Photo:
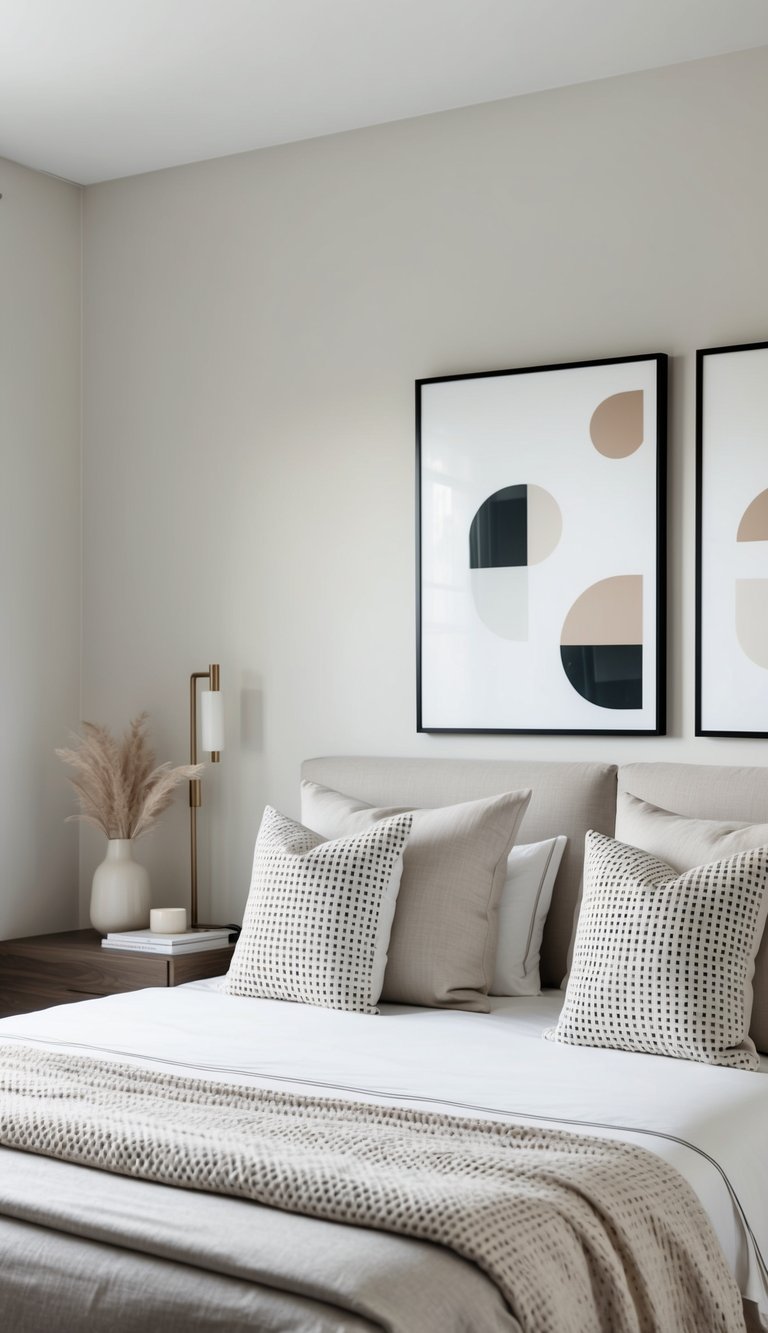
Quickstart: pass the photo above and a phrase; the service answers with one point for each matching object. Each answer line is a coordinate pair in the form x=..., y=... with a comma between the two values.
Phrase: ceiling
x=94, y=89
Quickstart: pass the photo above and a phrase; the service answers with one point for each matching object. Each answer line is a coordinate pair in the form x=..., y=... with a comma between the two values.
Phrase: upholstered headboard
x=703, y=791
x=567, y=798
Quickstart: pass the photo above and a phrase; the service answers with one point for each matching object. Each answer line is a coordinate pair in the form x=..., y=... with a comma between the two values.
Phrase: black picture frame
x=622, y=375
x=728, y=690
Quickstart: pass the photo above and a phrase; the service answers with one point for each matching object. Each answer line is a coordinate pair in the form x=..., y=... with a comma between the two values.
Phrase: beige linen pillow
x=319, y=914
x=683, y=842
x=443, y=944
x=663, y=963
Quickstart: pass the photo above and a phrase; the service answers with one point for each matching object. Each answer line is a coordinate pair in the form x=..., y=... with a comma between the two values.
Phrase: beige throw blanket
x=579, y=1234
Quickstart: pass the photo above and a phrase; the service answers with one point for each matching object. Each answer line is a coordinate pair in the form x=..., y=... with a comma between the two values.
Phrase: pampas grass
x=119, y=788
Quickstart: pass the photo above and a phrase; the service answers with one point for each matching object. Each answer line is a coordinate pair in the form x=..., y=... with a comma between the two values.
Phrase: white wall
x=253, y=329
x=40, y=527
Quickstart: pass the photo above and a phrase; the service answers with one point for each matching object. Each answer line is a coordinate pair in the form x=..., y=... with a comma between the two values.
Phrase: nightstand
x=41, y=970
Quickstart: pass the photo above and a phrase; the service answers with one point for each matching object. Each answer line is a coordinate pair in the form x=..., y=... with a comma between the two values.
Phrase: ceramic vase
x=120, y=892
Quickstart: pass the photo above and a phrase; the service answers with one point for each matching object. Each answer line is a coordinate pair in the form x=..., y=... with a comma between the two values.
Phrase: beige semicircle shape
x=616, y=428
x=752, y=619
x=545, y=524
x=754, y=521
x=610, y=611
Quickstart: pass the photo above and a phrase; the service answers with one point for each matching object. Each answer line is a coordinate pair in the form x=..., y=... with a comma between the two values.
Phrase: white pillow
x=531, y=871
x=319, y=914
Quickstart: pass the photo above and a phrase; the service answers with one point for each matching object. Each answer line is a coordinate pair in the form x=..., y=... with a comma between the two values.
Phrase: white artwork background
x=734, y=689
x=478, y=436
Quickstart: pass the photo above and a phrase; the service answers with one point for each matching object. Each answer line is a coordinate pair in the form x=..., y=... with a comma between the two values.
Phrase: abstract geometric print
x=540, y=548
x=602, y=638
x=732, y=541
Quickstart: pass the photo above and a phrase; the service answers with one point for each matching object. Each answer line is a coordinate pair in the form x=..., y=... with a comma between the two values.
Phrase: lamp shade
x=212, y=720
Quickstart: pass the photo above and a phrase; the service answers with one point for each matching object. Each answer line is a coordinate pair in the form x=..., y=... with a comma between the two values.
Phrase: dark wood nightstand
x=42, y=970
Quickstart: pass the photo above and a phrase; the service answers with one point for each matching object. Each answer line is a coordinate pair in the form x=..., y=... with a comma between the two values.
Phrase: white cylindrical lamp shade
x=212, y=720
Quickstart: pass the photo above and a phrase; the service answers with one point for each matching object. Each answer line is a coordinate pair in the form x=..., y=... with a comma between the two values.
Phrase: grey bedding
x=84, y=1250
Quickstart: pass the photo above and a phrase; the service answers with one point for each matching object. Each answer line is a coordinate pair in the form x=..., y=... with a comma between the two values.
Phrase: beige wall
x=40, y=525
x=254, y=326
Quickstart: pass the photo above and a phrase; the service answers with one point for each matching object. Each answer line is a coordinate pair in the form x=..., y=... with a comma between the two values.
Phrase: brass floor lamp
x=212, y=740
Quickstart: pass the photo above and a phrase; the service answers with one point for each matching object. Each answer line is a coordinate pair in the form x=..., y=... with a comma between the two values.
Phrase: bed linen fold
x=579, y=1234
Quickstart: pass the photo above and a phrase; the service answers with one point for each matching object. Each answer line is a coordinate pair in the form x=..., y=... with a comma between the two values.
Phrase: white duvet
x=710, y=1123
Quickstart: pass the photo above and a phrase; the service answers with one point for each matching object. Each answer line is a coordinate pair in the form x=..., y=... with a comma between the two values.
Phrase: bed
x=83, y=1248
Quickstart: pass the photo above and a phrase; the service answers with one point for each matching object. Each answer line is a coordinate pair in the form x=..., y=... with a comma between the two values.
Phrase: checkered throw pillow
x=662, y=962
x=319, y=914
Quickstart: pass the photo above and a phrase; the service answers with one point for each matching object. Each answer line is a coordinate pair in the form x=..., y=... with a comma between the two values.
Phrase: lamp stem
x=195, y=792
x=193, y=865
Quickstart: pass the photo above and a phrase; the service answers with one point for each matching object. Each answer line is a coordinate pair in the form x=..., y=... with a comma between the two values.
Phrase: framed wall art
x=541, y=551
x=732, y=541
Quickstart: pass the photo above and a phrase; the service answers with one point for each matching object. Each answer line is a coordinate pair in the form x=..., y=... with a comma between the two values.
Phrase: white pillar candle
x=168, y=920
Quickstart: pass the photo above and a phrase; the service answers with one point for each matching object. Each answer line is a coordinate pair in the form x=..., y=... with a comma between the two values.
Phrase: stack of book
x=149, y=941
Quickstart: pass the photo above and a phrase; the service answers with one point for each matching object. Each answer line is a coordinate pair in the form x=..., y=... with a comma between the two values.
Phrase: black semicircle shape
x=498, y=534
x=607, y=674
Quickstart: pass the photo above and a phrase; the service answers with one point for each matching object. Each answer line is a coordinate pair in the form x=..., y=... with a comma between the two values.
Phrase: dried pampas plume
x=120, y=789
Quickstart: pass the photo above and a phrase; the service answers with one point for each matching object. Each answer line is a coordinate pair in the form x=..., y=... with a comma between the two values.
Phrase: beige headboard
x=567, y=798
x=703, y=791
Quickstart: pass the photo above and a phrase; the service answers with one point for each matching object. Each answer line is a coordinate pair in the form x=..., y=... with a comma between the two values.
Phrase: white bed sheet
x=710, y=1123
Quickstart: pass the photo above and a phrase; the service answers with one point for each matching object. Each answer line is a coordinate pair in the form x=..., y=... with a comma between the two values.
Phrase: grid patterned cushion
x=684, y=842
x=319, y=914
x=663, y=963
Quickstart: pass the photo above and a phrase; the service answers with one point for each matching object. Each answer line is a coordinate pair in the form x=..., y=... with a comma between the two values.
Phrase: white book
x=145, y=937
x=168, y=950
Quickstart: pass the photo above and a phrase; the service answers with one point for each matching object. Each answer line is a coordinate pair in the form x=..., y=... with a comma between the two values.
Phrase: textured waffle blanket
x=579, y=1234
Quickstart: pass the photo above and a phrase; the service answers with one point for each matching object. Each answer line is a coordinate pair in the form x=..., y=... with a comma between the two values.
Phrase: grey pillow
x=685, y=842
x=319, y=914
x=663, y=963
x=443, y=944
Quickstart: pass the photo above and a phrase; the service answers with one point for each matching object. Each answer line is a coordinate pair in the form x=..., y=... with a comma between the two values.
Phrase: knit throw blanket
x=580, y=1234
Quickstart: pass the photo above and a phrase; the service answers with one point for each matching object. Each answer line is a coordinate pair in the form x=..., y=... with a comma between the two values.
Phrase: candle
x=168, y=920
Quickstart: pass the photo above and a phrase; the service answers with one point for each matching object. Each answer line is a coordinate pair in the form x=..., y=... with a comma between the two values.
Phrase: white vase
x=120, y=892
